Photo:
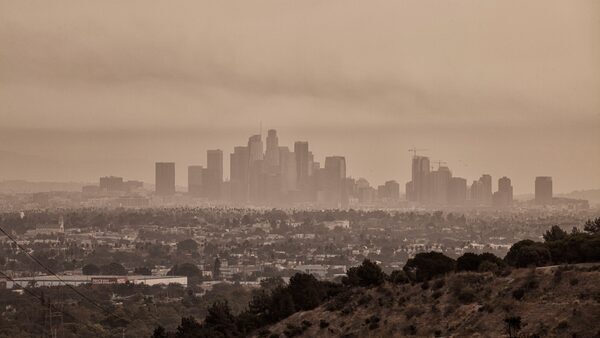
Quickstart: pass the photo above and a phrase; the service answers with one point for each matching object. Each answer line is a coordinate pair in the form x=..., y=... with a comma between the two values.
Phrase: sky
x=503, y=87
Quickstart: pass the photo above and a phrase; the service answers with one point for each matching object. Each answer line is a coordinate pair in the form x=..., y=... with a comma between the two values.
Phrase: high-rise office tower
x=439, y=182
x=475, y=192
x=419, y=186
x=334, y=178
x=302, y=165
x=457, y=192
x=165, y=178
x=195, y=173
x=214, y=169
x=287, y=167
x=389, y=191
x=239, y=172
x=255, y=148
x=504, y=196
x=543, y=189
x=256, y=169
x=486, y=189
x=272, y=152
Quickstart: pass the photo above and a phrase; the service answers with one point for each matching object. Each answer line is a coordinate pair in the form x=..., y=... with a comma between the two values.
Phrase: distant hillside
x=539, y=302
x=20, y=186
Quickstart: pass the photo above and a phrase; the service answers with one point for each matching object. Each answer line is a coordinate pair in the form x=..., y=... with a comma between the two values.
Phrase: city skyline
x=428, y=185
x=523, y=186
x=88, y=91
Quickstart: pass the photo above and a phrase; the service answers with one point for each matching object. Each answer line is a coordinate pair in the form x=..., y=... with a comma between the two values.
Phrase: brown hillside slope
x=559, y=301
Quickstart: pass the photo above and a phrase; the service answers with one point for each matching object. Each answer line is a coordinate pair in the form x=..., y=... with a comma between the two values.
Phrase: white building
x=76, y=280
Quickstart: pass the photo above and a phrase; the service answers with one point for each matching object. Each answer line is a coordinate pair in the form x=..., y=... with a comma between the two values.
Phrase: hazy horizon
x=95, y=89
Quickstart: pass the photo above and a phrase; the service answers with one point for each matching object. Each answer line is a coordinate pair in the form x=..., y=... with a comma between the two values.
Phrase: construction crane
x=414, y=150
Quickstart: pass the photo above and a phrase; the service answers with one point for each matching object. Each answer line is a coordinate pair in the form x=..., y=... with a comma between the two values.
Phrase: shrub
x=410, y=330
x=466, y=295
x=563, y=325
x=513, y=325
x=439, y=283
x=398, y=277
x=518, y=294
x=413, y=311
x=293, y=330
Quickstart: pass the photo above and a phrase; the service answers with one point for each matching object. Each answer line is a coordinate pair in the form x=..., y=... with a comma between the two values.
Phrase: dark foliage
x=186, y=269
x=592, y=226
x=113, y=269
x=90, y=269
x=367, y=274
x=528, y=253
x=398, y=277
x=559, y=248
x=425, y=266
x=473, y=262
x=555, y=234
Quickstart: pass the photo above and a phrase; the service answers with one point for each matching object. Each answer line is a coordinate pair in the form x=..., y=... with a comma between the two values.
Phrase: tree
x=366, y=274
x=468, y=262
x=475, y=262
x=282, y=304
x=220, y=319
x=306, y=291
x=186, y=269
x=426, y=265
x=555, y=234
x=189, y=328
x=188, y=245
x=90, y=269
x=113, y=269
x=217, y=268
x=528, y=253
x=592, y=226
x=159, y=332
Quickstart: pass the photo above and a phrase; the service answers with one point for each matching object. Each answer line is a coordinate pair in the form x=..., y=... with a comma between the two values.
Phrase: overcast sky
x=90, y=88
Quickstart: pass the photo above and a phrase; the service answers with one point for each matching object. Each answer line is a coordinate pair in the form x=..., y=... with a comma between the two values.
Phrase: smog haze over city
x=90, y=89
x=193, y=169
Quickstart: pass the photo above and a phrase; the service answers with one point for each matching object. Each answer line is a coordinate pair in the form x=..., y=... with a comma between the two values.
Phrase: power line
x=60, y=279
x=41, y=299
